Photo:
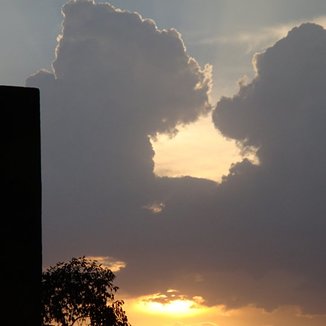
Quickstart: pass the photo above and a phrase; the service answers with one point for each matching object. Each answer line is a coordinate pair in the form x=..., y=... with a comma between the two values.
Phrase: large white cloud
x=255, y=239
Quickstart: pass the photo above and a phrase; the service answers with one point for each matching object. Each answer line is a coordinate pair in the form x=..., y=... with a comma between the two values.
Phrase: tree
x=80, y=290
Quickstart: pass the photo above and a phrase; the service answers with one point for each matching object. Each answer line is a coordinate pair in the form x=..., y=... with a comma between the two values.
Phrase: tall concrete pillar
x=21, y=250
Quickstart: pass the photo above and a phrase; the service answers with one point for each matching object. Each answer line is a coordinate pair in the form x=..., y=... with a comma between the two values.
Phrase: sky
x=183, y=145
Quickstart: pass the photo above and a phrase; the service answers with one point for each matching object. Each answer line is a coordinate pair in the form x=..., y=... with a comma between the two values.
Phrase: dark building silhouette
x=21, y=251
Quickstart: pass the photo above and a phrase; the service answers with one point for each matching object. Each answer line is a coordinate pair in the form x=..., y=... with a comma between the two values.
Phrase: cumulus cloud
x=258, y=238
x=282, y=113
x=117, y=80
x=144, y=70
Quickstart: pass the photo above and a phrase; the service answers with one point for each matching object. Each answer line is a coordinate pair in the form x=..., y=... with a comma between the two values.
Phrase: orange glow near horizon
x=178, y=307
x=170, y=304
x=171, y=309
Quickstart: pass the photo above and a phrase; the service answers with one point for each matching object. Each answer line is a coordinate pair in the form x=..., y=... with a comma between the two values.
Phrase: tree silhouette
x=80, y=291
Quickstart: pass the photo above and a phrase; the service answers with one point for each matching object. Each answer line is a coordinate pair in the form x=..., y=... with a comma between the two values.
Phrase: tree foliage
x=80, y=290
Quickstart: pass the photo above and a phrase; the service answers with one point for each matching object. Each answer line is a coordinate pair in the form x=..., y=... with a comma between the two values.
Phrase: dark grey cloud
x=258, y=238
x=116, y=80
x=282, y=201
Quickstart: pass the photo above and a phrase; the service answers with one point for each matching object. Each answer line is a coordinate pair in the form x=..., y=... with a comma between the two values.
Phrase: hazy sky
x=188, y=251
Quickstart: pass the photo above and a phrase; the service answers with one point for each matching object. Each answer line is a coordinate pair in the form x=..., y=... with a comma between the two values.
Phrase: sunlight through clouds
x=109, y=262
x=198, y=150
x=153, y=310
x=112, y=156
x=171, y=303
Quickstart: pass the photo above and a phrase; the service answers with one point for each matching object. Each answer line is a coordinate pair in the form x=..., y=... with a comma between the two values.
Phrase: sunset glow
x=171, y=304
x=190, y=152
x=178, y=307
x=183, y=147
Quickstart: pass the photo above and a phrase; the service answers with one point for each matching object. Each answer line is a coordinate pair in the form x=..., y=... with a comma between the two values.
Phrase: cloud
x=118, y=48
x=116, y=80
x=171, y=303
x=285, y=97
x=253, y=40
x=258, y=40
x=109, y=262
x=155, y=207
x=280, y=202
x=258, y=238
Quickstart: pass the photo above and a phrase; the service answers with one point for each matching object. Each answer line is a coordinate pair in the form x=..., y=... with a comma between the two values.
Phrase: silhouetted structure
x=21, y=251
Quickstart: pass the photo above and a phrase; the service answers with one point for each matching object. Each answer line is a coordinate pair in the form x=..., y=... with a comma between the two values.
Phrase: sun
x=172, y=304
